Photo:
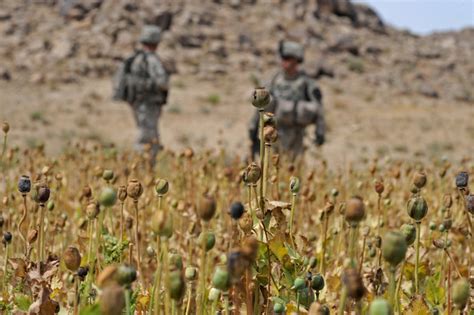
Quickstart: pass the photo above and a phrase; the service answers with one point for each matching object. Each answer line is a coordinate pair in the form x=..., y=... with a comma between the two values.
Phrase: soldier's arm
x=315, y=95
x=158, y=74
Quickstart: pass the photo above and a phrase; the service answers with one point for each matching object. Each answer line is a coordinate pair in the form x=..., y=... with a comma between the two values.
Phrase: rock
x=345, y=43
x=428, y=90
x=218, y=48
x=63, y=48
x=318, y=69
x=78, y=9
x=4, y=15
x=163, y=19
x=367, y=17
x=191, y=41
x=5, y=74
x=37, y=78
x=342, y=8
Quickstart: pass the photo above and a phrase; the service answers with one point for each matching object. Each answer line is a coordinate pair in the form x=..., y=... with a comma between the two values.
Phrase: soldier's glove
x=319, y=140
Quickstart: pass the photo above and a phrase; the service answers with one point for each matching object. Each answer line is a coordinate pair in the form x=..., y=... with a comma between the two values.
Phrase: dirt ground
x=203, y=113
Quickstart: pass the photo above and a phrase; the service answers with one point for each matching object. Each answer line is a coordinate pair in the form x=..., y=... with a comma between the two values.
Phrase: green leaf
x=435, y=294
x=91, y=310
x=277, y=246
x=22, y=301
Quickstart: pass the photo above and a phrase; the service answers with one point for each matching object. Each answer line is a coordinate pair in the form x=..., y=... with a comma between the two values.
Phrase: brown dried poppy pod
x=355, y=210
x=92, y=210
x=5, y=127
x=41, y=193
x=250, y=248
x=354, y=284
x=260, y=98
x=207, y=208
x=419, y=180
x=32, y=236
x=252, y=173
x=122, y=193
x=470, y=203
x=72, y=258
x=129, y=223
x=379, y=187
x=246, y=223
x=134, y=189
x=270, y=134
x=87, y=192
x=107, y=276
x=112, y=300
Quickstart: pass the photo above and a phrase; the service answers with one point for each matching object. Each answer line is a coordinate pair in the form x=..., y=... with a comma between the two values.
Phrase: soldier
x=296, y=103
x=142, y=81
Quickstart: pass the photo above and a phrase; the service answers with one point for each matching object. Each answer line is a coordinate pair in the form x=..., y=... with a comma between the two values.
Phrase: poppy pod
x=112, y=300
x=161, y=186
x=122, y=193
x=409, y=231
x=394, y=247
x=270, y=134
x=236, y=210
x=379, y=187
x=354, y=284
x=417, y=208
x=461, y=292
x=72, y=258
x=317, y=282
x=419, y=180
x=108, y=175
x=134, y=189
x=295, y=185
x=207, y=208
x=5, y=127
x=126, y=274
x=355, y=210
x=250, y=248
x=462, y=180
x=176, y=285
x=190, y=273
x=7, y=238
x=260, y=97
x=24, y=184
x=470, y=203
x=41, y=193
x=108, y=197
x=32, y=236
x=86, y=192
x=221, y=279
x=92, y=210
x=252, y=173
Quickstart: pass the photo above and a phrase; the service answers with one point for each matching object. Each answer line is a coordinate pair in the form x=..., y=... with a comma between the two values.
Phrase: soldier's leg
x=147, y=122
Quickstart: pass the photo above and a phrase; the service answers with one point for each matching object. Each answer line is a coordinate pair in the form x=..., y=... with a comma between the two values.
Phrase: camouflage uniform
x=296, y=103
x=146, y=84
x=150, y=97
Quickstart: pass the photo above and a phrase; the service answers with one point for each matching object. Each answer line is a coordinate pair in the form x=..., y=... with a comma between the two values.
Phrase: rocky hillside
x=68, y=41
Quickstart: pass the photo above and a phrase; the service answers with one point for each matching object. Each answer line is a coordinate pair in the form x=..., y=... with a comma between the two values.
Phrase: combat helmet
x=290, y=49
x=151, y=34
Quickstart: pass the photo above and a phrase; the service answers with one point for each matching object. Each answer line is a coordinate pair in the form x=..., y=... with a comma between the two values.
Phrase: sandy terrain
x=201, y=113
